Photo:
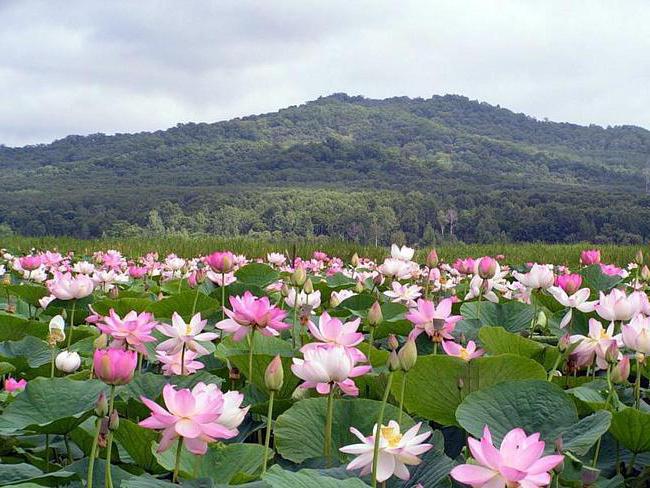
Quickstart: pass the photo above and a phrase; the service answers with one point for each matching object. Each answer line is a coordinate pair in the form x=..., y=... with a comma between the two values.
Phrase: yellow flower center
x=392, y=436
x=464, y=354
x=604, y=334
x=188, y=329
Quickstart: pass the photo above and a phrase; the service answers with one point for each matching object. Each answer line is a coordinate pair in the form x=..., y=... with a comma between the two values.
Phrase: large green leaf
x=222, y=462
x=257, y=274
x=136, y=441
x=27, y=353
x=299, y=432
x=437, y=384
x=434, y=469
x=14, y=328
x=631, y=428
x=29, y=293
x=122, y=306
x=596, y=280
x=512, y=316
x=497, y=340
x=581, y=436
x=277, y=477
x=12, y=474
x=184, y=304
x=51, y=405
x=533, y=405
x=150, y=385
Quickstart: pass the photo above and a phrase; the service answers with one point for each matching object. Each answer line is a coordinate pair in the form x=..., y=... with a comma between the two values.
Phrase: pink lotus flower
x=518, y=462
x=221, y=262
x=13, y=386
x=570, y=283
x=487, y=267
x=577, y=300
x=332, y=331
x=172, y=363
x=114, y=366
x=328, y=365
x=251, y=313
x=437, y=322
x=618, y=306
x=65, y=287
x=465, y=266
x=406, y=294
x=137, y=272
x=464, y=353
x=182, y=334
x=539, y=276
x=612, y=270
x=191, y=414
x=396, y=451
x=636, y=334
x=595, y=344
x=133, y=330
x=30, y=263
x=589, y=257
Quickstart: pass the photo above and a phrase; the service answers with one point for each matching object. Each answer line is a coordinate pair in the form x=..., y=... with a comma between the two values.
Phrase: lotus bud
x=274, y=375
x=114, y=292
x=487, y=268
x=621, y=372
x=284, y=291
x=354, y=261
x=393, y=361
x=358, y=288
x=67, y=361
x=101, y=406
x=308, y=287
x=299, y=276
x=640, y=358
x=101, y=342
x=564, y=342
x=375, y=317
x=645, y=273
x=393, y=343
x=114, y=421
x=541, y=319
x=589, y=475
x=114, y=366
x=639, y=257
x=432, y=259
x=408, y=355
x=611, y=355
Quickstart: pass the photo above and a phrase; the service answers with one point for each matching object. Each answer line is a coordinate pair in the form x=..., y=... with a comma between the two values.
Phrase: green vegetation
x=432, y=171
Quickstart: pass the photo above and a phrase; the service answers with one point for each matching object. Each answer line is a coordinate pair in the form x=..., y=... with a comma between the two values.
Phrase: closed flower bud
x=393, y=361
x=564, y=342
x=354, y=261
x=639, y=257
x=393, y=343
x=274, y=375
x=358, y=288
x=375, y=317
x=640, y=357
x=67, y=361
x=284, y=291
x=611, y=355
x=432, y=259
x=487, y=268
x=645, y=272
x=408, y=355
x=114, y=421
x=101, y=342
x=299, y=277
x=101, y=406
x=621, y=372
x=589, y=475
x=308, y=287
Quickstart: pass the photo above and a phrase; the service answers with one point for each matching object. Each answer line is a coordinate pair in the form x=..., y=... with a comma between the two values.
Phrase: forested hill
x=420, y=170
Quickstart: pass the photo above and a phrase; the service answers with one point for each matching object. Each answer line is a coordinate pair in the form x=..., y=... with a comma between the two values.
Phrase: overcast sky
x=70, y=67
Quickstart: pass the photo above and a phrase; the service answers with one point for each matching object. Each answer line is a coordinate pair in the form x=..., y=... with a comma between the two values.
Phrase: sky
x=82, y=67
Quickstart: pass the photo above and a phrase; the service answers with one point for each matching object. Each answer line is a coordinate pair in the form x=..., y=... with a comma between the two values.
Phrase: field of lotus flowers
x=281, y=371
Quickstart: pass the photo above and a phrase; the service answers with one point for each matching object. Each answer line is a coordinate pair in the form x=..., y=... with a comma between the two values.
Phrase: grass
x=193, y=246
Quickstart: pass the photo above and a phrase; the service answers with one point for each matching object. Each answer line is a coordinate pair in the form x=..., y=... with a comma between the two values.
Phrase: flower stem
x=610, y=393
x=108, y=478
x=177, y=463
x=637, y=385
x=327, y=445
x=223, y=296
x=269, y=426
x=196, y=299
x=183, y=360
x=251, y=344
x=93, y=453
x=401, y=399
x=551, y=374
x=371, y=339
x=52, y=365
x=377, y=433
x=74, y=305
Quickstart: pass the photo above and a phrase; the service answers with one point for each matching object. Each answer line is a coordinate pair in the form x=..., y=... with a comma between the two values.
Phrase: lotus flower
x=276, y=258
x=595, y=344
x=133, y=330
x=114, y=366
x=30, y=263
x=406, y=294
x=13, y=386
x=396, y=451
x=66, y=287
x=172, y=363
x=437, y=322
x=577, y=300
x=618, y=306
x=465, y=266
x=221, y=262
x=539, y=276
x=589, y=257
x=191, y=414
x=518, y=462
x=311, y=299
x=251, y=313
x=570, y=283
x=464, y=353
x=188, y=335
x=328, y=365
x=636, y=334
x=396, y=268
x=403, y=253
x=332, y=331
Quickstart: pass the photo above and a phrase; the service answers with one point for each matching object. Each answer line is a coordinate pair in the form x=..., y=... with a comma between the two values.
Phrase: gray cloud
x=78, y=67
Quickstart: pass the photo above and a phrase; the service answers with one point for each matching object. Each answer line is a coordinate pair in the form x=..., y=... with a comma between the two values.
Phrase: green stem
x=637, y=385
x=295, y=317
x=223, y=296
x=74, y=306
x=93, y=453
x=377, y=433
x=435, y=348
x=52, y=365
x=371, y=339
x=67, y=448
x=183, y=360
x=47, y=453
x=251, y=339
x=610, y=393
x=269, y=427
x=108, y=476
x=327, y=446
x=555, y=365
x=140, y=362
x=177, y=463
x=401, y=399
x=630, y=468
x=196, y=299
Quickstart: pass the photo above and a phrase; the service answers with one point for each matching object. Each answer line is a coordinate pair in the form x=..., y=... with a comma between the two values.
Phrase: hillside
x=368, y=170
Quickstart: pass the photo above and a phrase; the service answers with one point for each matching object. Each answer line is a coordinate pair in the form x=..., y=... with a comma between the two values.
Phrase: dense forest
x=373, y=171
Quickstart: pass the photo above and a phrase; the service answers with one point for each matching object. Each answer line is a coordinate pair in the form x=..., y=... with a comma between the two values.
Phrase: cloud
x=78, y=67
